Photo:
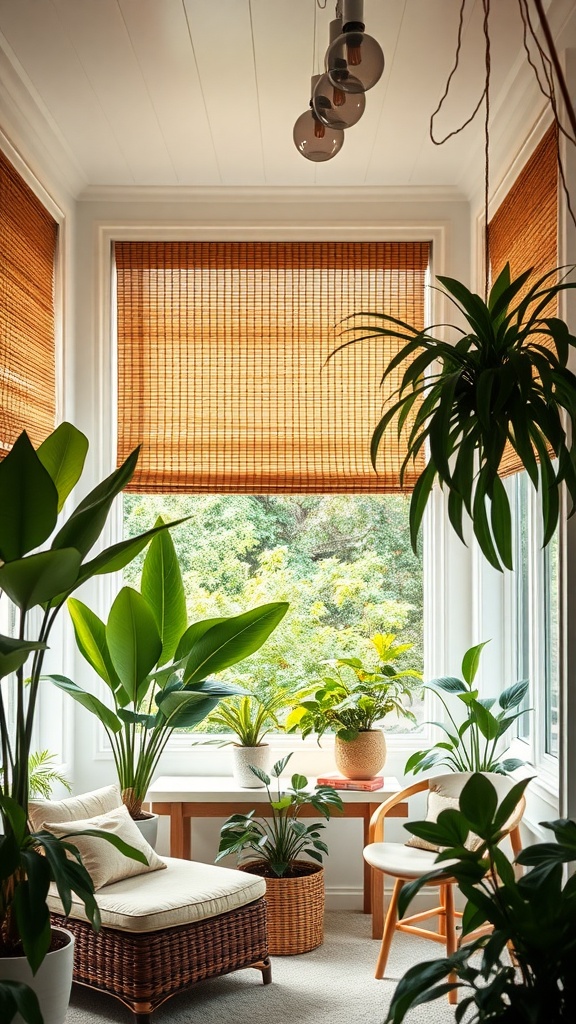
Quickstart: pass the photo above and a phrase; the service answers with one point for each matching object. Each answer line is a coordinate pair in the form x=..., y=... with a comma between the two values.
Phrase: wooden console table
x=185, y=797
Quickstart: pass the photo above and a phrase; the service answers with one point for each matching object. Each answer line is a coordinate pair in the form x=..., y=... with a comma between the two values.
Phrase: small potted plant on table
x=352, y=704
x=250, y=718
x=277, y=844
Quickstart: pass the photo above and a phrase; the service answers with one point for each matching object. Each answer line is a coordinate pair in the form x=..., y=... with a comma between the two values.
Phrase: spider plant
x=504, y=382
x=249, y=717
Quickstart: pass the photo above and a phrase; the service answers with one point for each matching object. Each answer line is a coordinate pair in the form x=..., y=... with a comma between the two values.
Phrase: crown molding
x=32, y=132
x=349, y=196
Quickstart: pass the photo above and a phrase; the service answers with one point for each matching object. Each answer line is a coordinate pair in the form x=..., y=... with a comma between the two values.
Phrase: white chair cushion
x=188, y=891
x=402, y=861
x=99, y=801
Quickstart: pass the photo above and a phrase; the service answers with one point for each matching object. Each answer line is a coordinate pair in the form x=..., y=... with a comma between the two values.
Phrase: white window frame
x=104, y=588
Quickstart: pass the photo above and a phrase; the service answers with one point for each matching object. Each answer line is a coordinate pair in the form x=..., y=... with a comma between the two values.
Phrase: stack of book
x=338, y=781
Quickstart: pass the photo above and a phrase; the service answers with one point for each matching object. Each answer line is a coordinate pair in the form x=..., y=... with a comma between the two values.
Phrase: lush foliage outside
x=344, y=563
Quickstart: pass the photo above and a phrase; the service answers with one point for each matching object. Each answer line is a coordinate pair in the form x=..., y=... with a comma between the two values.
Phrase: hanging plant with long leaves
x=505, y=380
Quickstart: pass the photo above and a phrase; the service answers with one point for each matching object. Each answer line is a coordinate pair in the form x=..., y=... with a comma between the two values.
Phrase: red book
x=341, y=782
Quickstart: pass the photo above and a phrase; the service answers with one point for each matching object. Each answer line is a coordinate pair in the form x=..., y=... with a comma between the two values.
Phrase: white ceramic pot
x=243, y=757
x=51, y=983
x=148, y=827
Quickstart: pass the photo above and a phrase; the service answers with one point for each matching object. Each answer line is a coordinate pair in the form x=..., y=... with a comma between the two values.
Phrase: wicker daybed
x=162, y=932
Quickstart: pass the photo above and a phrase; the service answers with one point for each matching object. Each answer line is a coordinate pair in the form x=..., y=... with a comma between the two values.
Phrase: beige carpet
x=333, y=984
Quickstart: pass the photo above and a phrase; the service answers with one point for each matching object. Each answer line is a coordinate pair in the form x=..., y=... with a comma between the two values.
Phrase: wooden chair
x=406, y=863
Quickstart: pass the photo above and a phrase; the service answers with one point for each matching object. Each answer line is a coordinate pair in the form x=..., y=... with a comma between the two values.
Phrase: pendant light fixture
x=313, y=138
x=354, y=57
x=333, y=106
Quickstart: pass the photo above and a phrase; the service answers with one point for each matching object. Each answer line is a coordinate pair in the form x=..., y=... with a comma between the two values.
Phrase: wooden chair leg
x=448, y=902
x=389, y=928
x=377, y=888
x=442, y=916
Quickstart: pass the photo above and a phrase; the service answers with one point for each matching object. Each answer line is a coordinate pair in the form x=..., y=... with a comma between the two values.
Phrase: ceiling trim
x=313, y=194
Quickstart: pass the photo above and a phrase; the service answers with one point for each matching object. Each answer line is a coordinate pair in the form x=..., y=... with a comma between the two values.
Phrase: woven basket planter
x=294, y=909
x=362, y=758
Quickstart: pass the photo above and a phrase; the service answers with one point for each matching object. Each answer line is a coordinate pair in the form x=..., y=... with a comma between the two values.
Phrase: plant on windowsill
x=278, y=842
x=157, y=668
x=250, y=718
x=533, y=916
x=506, y=381
x=472, y=745
x=34, y=485
x=351, y=702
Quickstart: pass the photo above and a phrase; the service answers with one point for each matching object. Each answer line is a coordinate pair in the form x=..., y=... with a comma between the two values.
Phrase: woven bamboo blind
x=524, y=233
x=28, y=236
x=222, y=371
x=524, y=229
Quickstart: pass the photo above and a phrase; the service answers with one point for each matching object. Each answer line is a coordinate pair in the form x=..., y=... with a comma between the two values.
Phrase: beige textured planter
x=243, y=757
x=362, y=758
x=294, y=908
x=51, y=983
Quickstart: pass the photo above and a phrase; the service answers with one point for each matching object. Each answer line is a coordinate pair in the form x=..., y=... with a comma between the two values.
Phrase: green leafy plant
x=43, y=774
x=16, y=997
x=278, y=843
x=472, y=745
x=354, y=698
x=505, y=381
x=533, y=915
x=34, y=485
x=158, y=668
x=250, y=717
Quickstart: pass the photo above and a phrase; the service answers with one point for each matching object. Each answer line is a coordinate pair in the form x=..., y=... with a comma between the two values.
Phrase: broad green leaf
x=502, y=522
x=514, y=695
x=63, y=454
x=228, y=642
x=133, y=640
x=33, y=924
x=193, y=634
x=85, y=525
x=118, y=556
x=471, y=661
x=478, y=803
x=163, y=588
x=185, y=709
x=14, y=653
x=90, y=634
x=88, y=701
x=36, y=579
x=16, y=997
x=28, y=501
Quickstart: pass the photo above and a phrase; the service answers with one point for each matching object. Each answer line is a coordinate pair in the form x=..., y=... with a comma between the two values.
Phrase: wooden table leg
x=368, y=812
x=180, y=845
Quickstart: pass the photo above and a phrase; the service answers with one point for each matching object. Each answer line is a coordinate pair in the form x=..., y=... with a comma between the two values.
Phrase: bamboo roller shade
x=524, y=233
x=28, y=236
x=222, y=372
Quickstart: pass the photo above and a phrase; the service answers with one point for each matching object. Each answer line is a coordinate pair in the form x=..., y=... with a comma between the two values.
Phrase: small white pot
x=148, y=827
x=243, y=757
x=51, y=983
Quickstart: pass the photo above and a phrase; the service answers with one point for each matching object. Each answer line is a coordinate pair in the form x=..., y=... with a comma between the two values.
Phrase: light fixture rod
x=353, y=12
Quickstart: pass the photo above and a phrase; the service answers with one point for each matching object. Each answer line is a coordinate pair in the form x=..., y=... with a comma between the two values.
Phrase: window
x=343, y=562
x=536, y=599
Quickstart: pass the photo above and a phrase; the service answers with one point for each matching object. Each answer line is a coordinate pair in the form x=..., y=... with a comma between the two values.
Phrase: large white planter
x=148, y=827
x=243, y=757
x=51, y=983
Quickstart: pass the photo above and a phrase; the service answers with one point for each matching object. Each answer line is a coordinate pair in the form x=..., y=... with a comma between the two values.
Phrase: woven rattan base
x=143, y=970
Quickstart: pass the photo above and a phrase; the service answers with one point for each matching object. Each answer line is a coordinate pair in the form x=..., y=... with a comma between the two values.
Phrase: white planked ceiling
x=206, y=92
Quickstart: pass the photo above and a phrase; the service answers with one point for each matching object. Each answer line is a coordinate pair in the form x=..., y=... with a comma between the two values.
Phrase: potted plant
x=250, y=718
x=158, y=669
x=37, y=579
x=276, y=844
x=533, y=916
x=504, y=382
x=471, y=745
x=353, y=703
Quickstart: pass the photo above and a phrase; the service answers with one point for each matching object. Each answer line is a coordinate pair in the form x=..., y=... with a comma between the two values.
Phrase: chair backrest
x=451, y=784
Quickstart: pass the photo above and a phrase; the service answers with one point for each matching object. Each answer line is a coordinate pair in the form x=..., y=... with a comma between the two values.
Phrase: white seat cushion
x=402, y=861
x=188, y=891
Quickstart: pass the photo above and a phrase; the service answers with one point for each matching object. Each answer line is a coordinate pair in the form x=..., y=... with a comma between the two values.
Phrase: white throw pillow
x=104, y=863
x=98, y=801
x=438, y=802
